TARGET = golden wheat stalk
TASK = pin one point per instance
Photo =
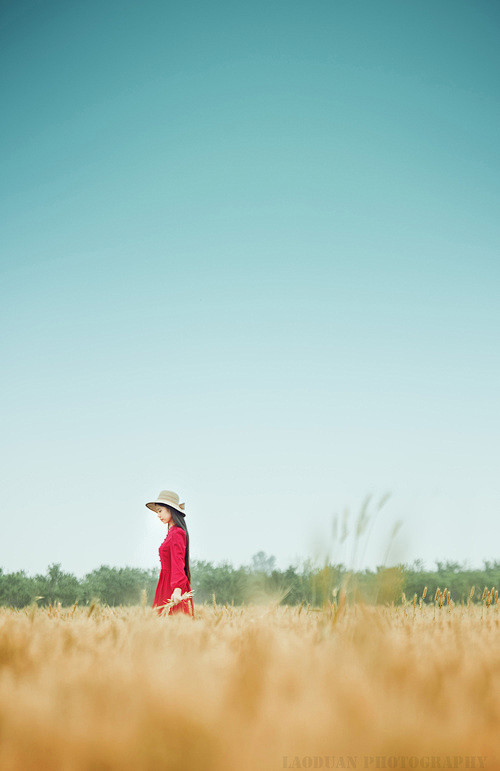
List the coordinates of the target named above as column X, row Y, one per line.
column 167, row 605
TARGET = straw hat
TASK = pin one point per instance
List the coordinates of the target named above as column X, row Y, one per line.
column 168, row 498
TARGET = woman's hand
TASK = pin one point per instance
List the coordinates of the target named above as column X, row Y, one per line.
column 176, row 595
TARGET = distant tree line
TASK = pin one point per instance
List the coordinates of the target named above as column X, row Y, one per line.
column 258, row 582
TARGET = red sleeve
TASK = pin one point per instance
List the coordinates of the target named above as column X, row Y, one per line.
column 178, row 554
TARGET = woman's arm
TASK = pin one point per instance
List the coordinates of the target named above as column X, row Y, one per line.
column 178, row 578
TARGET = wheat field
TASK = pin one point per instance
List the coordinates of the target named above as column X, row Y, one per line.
column 254, row 687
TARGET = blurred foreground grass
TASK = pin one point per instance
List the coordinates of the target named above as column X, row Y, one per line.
column 260, row 687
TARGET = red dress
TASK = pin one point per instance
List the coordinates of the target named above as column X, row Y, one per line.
column 172, row 574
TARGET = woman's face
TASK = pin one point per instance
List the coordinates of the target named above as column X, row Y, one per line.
column 164, row 514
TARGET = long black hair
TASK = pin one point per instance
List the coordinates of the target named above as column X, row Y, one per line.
column 178, row 519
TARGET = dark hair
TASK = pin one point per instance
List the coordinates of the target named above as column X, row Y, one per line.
column 178, row 519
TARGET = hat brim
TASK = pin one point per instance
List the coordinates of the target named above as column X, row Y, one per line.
column 151, row 505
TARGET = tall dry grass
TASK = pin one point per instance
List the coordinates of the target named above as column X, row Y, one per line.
column 253, row 688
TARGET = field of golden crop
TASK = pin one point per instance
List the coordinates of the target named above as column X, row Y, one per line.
column 260, row 687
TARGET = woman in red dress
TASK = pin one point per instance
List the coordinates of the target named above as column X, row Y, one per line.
column 175, row 575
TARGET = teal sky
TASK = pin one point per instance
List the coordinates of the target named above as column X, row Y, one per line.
column 250, row 253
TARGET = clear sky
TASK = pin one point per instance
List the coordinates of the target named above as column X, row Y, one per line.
column 249, row 253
